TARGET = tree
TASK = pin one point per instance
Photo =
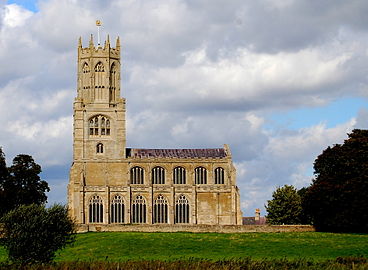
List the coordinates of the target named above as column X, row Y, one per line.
column 285, row 206
column 337, row 199
column 22, row 184
column 32, row 233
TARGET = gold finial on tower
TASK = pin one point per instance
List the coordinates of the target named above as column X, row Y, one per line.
column 98, row 24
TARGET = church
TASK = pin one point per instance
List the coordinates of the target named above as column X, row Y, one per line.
column 111, row 183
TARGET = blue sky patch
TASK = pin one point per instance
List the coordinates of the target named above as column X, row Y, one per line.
column 335, row 113
column 28, row 4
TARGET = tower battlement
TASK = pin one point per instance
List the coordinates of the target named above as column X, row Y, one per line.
column 92, row 49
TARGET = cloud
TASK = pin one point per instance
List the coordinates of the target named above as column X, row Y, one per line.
column 195, row 74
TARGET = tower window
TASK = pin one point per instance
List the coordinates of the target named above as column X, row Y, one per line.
column 219, row 176
column 158, row 175
column 179, row 175
column 99, row 67
column 99, row 148
column 99, row 125
column 200, row 175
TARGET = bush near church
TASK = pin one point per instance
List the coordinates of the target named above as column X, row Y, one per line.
column 32, row 233
column 337, row 200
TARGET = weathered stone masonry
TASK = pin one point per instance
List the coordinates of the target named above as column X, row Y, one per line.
column 113, row 184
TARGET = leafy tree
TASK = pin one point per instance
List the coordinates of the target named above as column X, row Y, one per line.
column 337, row 199
column 285, row 206
column 305, row 218
column 32, row 233
column 22, row 184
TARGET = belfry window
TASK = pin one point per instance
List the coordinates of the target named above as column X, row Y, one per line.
column 139, row 210
column 95, row 210
column 99, row 125
column 158, row 175
column 99, row 148
column 179, row 175
column 160, row 210
column 136, row 175
column 182, row 210
column 117, row 210
column 219, row 176
column 99, row 67
column 200, row 175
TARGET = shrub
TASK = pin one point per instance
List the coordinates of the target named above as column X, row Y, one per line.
column 32, row 233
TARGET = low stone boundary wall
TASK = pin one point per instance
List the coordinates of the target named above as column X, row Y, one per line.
column 194, row 228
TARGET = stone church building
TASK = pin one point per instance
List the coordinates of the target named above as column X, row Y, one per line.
column 111, row 183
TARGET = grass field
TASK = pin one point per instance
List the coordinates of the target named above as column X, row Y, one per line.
column 123, row 246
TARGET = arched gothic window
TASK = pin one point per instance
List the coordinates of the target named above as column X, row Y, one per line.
column 85, row 76
column 99, row 78
column 182, row 210
column 117, row 209
column 158, row 175
column 136, row 175
column 99, row 67
column 113, row 81
column 160, row 210
column 139, row 210
column 200, row 175
column 219, row 176
column 99, row 125
column 99, row 148
column 179, row 175
column 95, row 210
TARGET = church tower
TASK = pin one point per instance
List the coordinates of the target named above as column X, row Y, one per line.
column 99, row 112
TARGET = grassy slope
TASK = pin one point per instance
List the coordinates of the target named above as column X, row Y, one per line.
column 170, row 246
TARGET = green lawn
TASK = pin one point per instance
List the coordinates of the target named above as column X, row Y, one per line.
column 122, row 246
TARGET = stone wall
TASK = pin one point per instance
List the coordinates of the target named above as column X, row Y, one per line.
column 195, row 228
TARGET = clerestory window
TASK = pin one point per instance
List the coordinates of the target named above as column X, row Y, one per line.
column 137, row 175
column 179, row 175
column 219, row 176
column 200, row 175
column 158, row 175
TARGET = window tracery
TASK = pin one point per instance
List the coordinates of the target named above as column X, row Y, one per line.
column 139, row 211
column 95, row 210
column 117, row 209
column 160, row 210
column 99, row 125
column 182, row 210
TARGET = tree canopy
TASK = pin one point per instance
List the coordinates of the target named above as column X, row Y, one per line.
column 337, row 199
column 285, row 206
column 21, row 183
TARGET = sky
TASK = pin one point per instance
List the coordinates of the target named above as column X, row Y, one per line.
column 277, row 80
